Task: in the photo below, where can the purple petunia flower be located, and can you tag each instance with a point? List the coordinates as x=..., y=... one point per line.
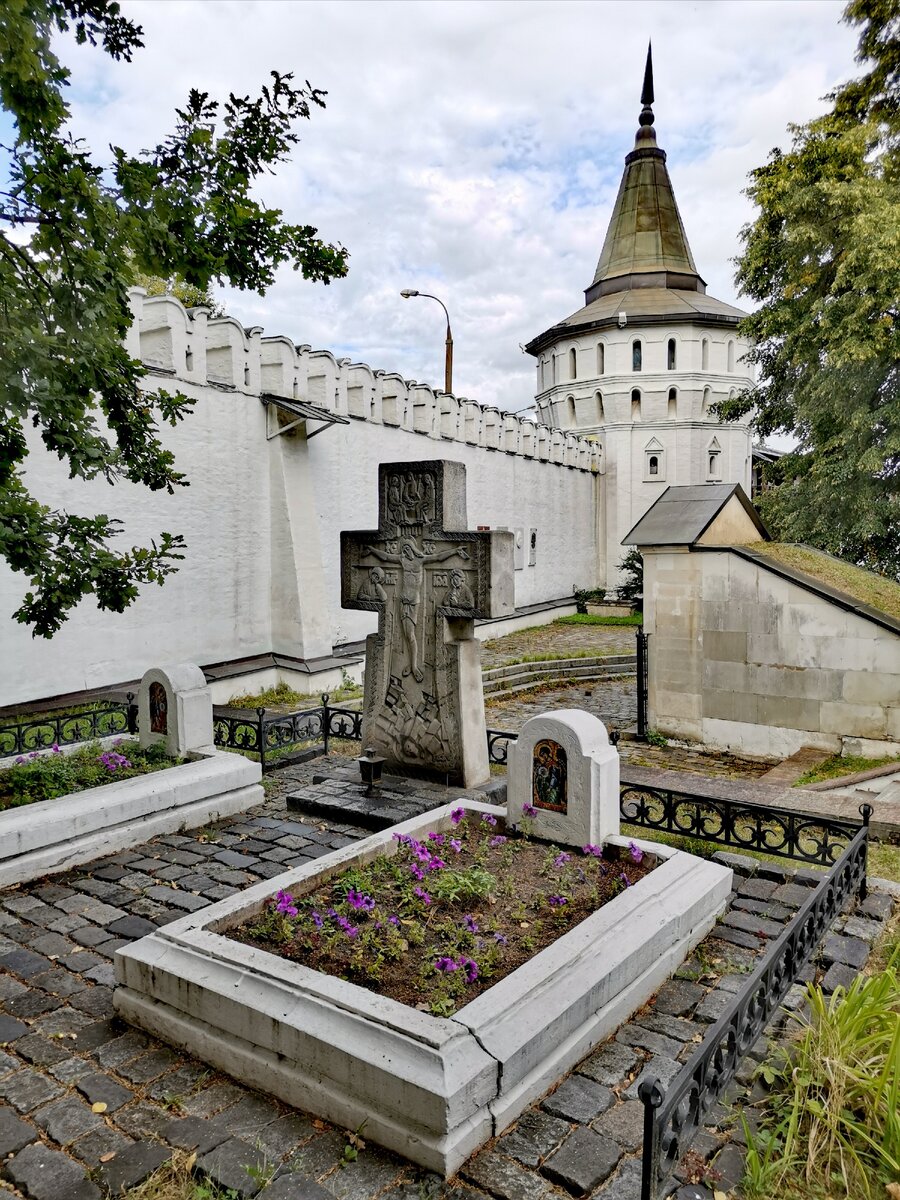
x=497, y=840
x=457, y=815
x=20, y=759
x=456, y=845
x=316, y=920
x=392, y=920
x=528, y=810
x=437, y=837
x=422, y=894
x=416, y=870
x=489, y=819
x=470, y=967
x=557, y=901
x=625, y=879
x=635, y=851
x=590, y=848
x=501, y=939
x=285, y=904
x=470, y=923
x=359, y=900
x=55, y=748
x=561, y=859
x=444, y=964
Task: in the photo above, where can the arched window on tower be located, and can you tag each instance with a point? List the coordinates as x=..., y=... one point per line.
x=599, y=398
x=653, y=465
x=704, y=412
x=704, y=354
x=573, y=364
x=670, y=355
x=730, y=355
x=601, y=358
x=714, y=460
x=570, y=411
x=636, y=355
x=553, y=368
x=672, y=412
x=635, y=404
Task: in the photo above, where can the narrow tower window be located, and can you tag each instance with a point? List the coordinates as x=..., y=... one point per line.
x=189, y=359
x=553, y=368
x=731, y=356
x=570, y=410
x=636, y=355
x=599, y=399
x=573, y=364
x=601, y=358
x=670, y=355
x=636, y=404
x=714, y=464
x=673, y=404
x=653, y=465
x=704, y=355
x=706, y=395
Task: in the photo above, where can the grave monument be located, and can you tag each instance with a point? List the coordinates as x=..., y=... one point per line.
x=428, y=577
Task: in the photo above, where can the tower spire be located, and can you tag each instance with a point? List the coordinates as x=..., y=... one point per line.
x=647, y=90
x=646, y=134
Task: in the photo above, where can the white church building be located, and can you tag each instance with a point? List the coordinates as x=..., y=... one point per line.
x=284, y=442
x=639, y=366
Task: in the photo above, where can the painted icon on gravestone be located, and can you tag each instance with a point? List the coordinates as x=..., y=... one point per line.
x=548, y=776
x=159, y=720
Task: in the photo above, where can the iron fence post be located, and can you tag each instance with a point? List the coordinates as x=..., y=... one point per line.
x=131, y=714
x=326, y=721
x=651, y=1096
x=865, y=811
x=261, y=736
x=641, y=639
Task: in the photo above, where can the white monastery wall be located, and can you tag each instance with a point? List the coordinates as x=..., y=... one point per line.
x=742, y=658
x=262, y=514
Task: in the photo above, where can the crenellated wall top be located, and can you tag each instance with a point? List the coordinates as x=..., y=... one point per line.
x=219, y=352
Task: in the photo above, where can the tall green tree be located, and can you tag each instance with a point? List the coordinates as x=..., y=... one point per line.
x=74, y=234
x=822, y=259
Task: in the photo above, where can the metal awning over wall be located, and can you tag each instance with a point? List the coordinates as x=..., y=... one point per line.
x=300, y=410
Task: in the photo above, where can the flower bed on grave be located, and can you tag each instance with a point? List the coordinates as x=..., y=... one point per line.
x=34, y=777
x=445, y=917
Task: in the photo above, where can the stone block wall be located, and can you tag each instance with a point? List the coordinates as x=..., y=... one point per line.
x=742, y=658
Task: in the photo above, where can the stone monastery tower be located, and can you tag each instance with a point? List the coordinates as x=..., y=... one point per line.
x=639, y=366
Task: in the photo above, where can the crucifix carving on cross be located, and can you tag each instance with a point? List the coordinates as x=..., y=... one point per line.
x=428, y=577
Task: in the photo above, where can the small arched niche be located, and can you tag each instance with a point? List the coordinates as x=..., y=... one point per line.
x=573, y=363
x=671, y=354
x=601, y=358
x=672, y=404
x=654, y=461
x=637, y=355
x=636, y=404
x=704, y=354
x=598, y=398
x=714, y=461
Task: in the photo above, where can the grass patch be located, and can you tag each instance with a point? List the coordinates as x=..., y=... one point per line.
x=883, y=861
x=835, y=767
x=51, y=774
x=592, y=619
x=282, y=696
x=865, y=586
x=175, y=1181
x=551, y=656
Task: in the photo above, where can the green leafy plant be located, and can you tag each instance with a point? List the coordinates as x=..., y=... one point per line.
x=655, y=738
x=51, y=773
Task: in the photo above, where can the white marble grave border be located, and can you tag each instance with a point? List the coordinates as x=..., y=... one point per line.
x=432, y=1089
x=50, y=836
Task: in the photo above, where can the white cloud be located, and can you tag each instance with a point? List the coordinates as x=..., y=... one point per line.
x=473, y=149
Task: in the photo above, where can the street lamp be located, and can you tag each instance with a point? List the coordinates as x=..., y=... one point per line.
x=407, y=294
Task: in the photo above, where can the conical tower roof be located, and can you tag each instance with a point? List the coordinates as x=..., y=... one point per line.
x=645, y=244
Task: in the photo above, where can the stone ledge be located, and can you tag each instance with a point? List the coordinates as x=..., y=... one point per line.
x=85, y=825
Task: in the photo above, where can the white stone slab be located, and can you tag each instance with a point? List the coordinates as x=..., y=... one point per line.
x=54, y=835
x=433, y=1089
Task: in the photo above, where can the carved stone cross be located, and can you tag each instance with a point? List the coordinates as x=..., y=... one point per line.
x=428, y=577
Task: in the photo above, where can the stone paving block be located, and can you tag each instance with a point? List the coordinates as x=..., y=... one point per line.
x=195, y=1133
x=95, y=1001
x=32, y=1004
x=103, y=974
x=624, y=1185
x=659, y=1067
x=505, y=1178
x=11, y=1029
x=131, y=927
x=175, y=1087
x=41, y=1051
x=737, y=937
x=99, y=1033
x=678, y=997
x=71, y=1069
x=862, y=927
x=66, y=922
x=729, y=1162
x=25, y=1089
x=646, y=1039
x=295, y=1187
x=373, y=1171
x=45, y=1174
x=7, y=1062
x=623, y=1123
x=791, y=894
x=102, y=1140
x=81, y=961
x=611, y=1064
x=59, y=982
x=67, y=1119
x=133, y=1166
x=227, y=1165
x=533, y=1137
x=121, y=1050
x=741, y=864
x=10, y=988
x=578, y=1099
x=212, y=1100
x=52, y=944
x=100, y=1089
x=752, y=923
x=140, y=1120
x=849, y=950
x=24, y=963
x=14, y=1133
x=780, y=872
x=280, y=1137
x=63, y=1021
x=765, y=908
x=103, y=914
x=757, y=889
x=148, y=1066
x=838, y=975
x=877, y=904
x=583, y=1161
x=672, y=1027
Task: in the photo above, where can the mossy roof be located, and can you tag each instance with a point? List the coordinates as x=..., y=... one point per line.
x=865, y=587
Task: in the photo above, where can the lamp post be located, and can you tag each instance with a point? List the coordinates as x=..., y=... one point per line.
x=407, y=294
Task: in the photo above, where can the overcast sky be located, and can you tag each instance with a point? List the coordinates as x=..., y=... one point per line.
x=473, y=149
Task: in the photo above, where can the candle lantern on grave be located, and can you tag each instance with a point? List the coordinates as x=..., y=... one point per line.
x=370, y=767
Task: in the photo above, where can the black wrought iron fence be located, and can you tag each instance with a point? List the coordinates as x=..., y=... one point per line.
x=279, y=737
x=103, y=719
x=673, y=1116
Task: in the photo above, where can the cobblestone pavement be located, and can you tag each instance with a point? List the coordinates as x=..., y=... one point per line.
x=562, y=641
x=614, y=701
x=62, y=1050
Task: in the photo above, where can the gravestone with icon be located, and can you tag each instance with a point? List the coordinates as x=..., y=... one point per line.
x=564, y=779
x=175, y=707
x=428, y=576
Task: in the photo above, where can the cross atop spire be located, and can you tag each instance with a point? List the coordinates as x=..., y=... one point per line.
x=647, y=90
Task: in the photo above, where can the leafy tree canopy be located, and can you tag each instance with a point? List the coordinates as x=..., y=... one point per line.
x=74, y=235
x=189, y=295
x=822, y=259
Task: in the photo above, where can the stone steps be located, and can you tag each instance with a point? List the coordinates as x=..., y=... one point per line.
x=519, y=677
